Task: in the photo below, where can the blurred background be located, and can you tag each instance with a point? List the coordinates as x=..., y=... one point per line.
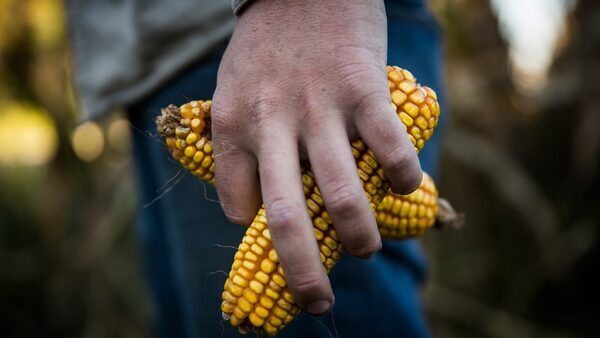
x=520, y=159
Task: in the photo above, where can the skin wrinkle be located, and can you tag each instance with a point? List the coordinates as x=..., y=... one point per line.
x=290, y=68
x=350, y=89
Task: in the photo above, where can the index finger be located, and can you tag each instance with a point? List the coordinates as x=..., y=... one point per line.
x=290, y=225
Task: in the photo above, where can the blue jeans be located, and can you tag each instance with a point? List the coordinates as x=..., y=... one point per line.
x=182, y=233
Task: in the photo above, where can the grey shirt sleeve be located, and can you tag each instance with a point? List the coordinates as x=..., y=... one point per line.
x=239, y=5
x=123, y=50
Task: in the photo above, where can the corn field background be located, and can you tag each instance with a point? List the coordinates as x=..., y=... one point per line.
x=520, y=159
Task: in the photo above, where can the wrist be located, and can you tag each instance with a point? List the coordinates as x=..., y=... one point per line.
x=329, y=17
x=306, y=6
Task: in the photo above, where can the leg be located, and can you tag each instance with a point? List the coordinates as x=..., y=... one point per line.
x=178, y=231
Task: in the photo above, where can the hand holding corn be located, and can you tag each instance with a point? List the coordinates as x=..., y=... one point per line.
x=256, y=296
x=298, y=81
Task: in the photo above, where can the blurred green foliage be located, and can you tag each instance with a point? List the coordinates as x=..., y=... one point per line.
x=522, y=166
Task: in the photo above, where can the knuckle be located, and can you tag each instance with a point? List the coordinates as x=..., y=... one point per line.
x=364, y=248
x=231, y=209
x=262, y=107
x=283, y=215
x=222, y=121
x=307, y=285
x=235, y=216
x=355, y=80
x=228, y=113
x=344, y=201
x=371, y=103
x=355, y=73
x=315, y=120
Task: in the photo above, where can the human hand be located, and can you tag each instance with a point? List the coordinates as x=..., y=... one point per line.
x=302, y=79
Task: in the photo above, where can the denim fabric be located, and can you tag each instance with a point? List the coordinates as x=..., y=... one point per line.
x=179, y=232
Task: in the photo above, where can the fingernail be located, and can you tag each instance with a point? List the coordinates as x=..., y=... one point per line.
x=318, y=307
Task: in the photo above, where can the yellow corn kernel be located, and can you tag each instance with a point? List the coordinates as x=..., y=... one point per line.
x=261, y=311
x=266, y=301
x=267, y=266
x=183, y=128
x=271, y=293
x=256, y=286
x=244, y=305
x=256, y=297
x=256, y=320
x=396, y=213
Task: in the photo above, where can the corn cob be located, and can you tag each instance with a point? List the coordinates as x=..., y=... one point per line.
x=256, y=297
x=186, y=131
x=405, y=216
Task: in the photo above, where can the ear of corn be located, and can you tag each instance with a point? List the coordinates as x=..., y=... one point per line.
x=186, y=131
x=405, y=216
x=255, y=296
